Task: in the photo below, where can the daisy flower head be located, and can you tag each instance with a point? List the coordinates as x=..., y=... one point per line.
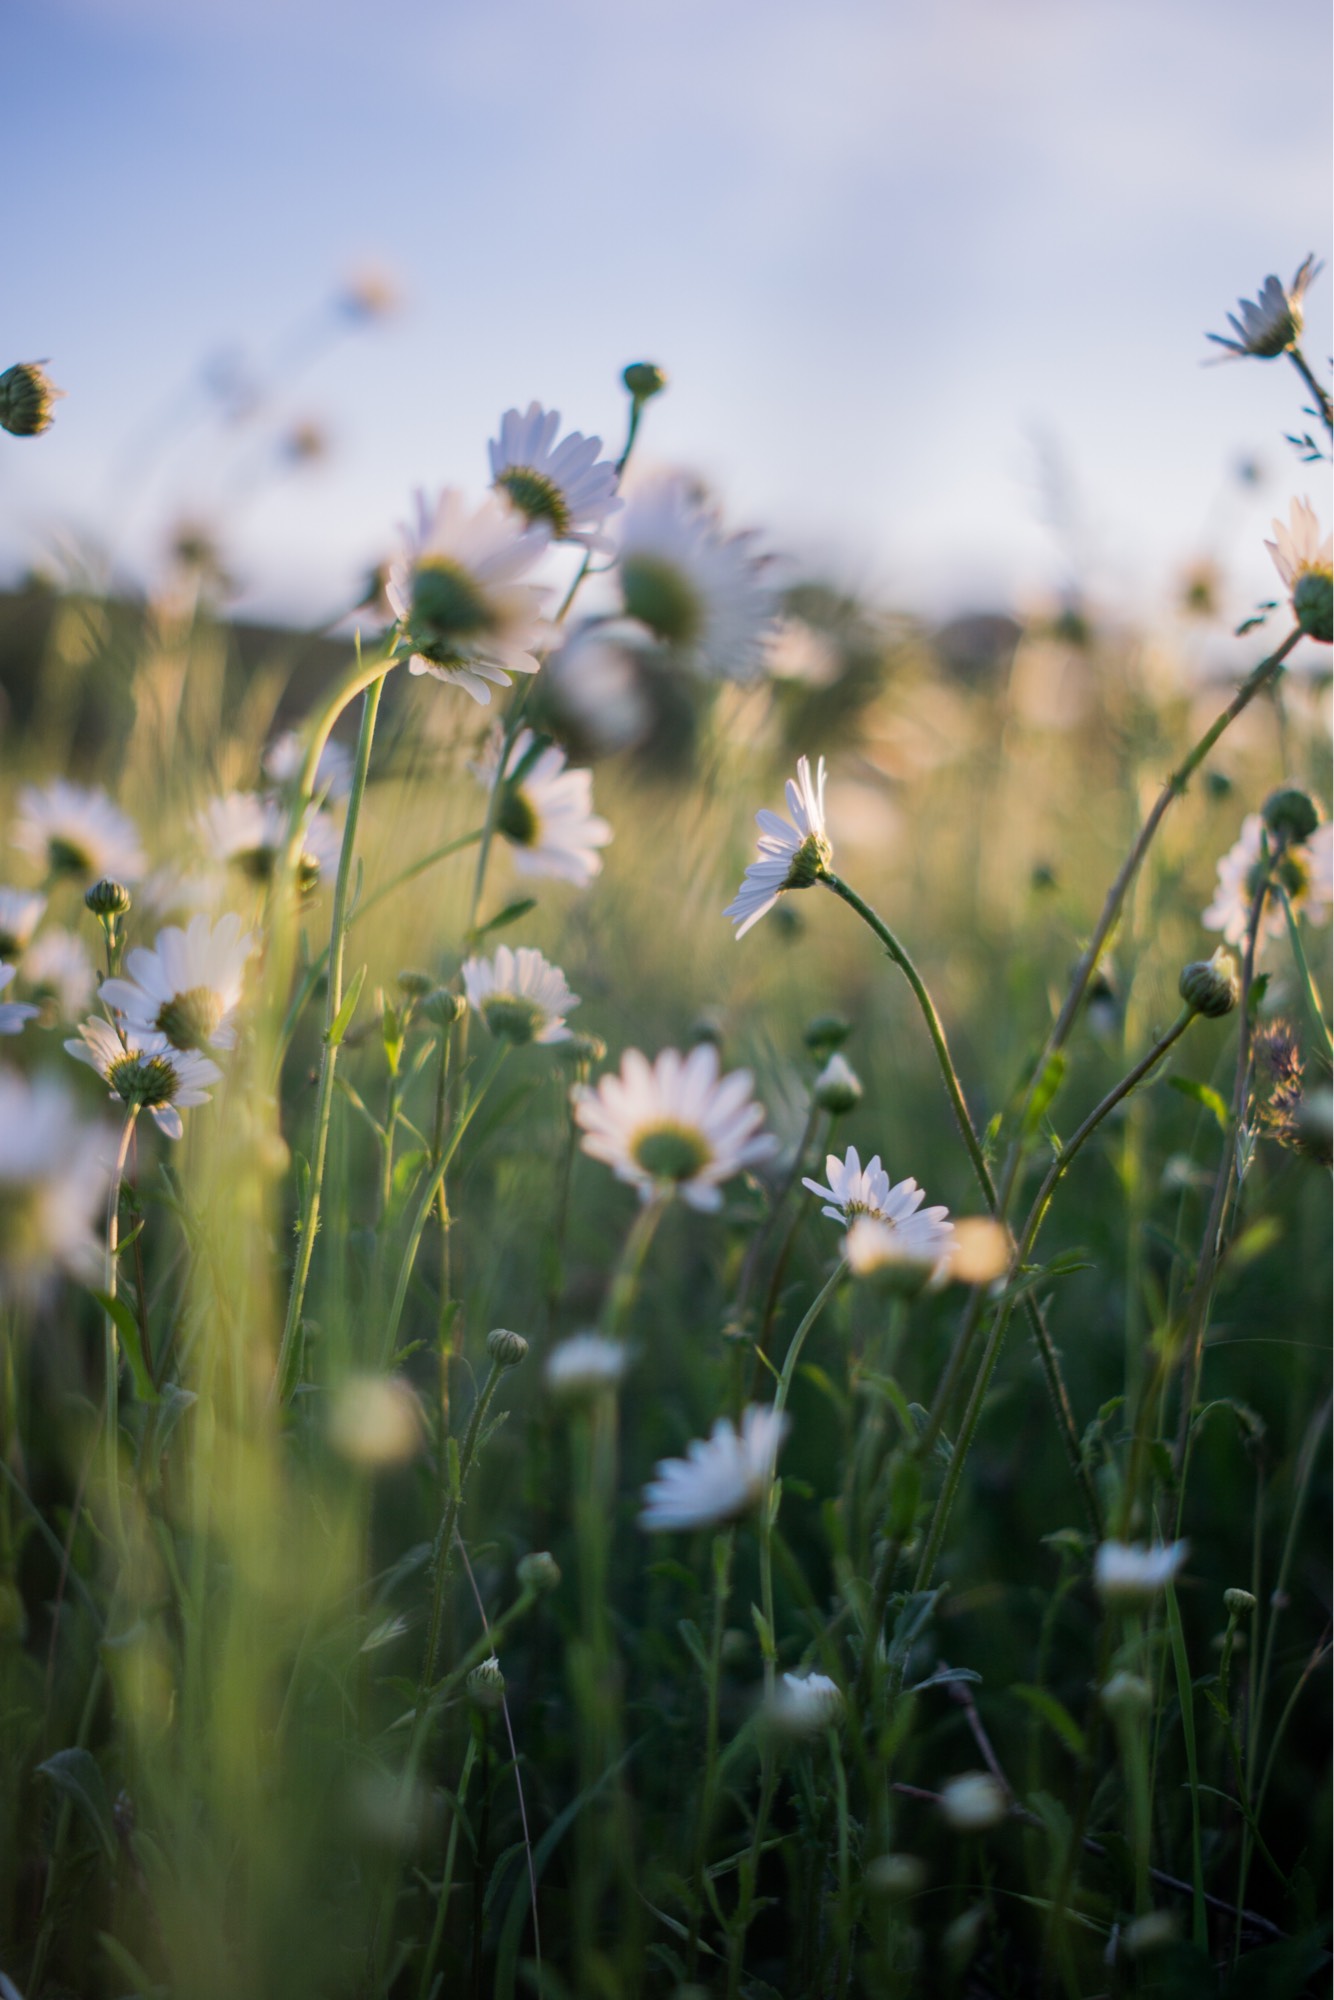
x=700, y=590
x=1306, y=564
x=855, y=1190
x=722, y=1476
x=1272, y=322
x=597, y=679
x=459, y=591
x=248, y=832
x=187, y=987
x=58, y=970
x=20, y=913
x=14, y=1014
x=54, y=1171
x=1304, y=869
x=791, y=854
x=585, y=1365
x=903, y=1255
x=70, y=830
x=674, y=1126
x=805, y=1705
x=1135, y=1573
x=566, y=487
x=146, y=1073
x=519, y=995
x=545, y=811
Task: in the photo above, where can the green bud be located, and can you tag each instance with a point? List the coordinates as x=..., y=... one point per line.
x=539, y=1572
x=26, y=396
x=505, y=1348
x=582, y=1051
x=1239, y=1602
x=895, y=1875
x=1127, y=1697
x=444, y=1008
x=486, y=1684
x=838, y=1088
x=1218, y=784
x=707, y=1028
x=826, y=1033
x=1313, y=602
x=1211, y=986
x=108, y=899
x=1290, y=814
x=416, y=985
x=644, y=379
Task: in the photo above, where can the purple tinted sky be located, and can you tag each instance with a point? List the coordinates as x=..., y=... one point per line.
x=882, y=250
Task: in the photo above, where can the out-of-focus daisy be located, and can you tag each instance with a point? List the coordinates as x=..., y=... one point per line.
x=69, y=830
x=568, y=489
x=545, y=811
x=146, y=1072
x=972, y=1802
x=795, y=651
x=54, y=1172
x=703, y=592
x=791, y=856
x=520, y=995
x=1133, y=1573
x=57, y=968
x=187, y=987
x=721, y=1476
x=597, y=680
x=246, y=831
x=13, y=1013
x=838, y=1088
x=674, y=1126
x=916, y=1249
x=1271, y=323
x=585, y=1364
x=333, y=773
x=805, y=1704
x=459, y=591
x=20, y=913
x=375, y=1421
x=1305, y=868
x=1306, y=564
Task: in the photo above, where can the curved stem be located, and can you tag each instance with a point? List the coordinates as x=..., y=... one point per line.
x=1321, y=394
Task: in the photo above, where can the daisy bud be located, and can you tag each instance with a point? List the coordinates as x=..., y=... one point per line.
x=539, y=1572
x=505, y=1348
x=1126, y=1697
x=895, y=1875
x=26, y=396
x=1238, y=1602
x=644, y=379
x=838, y=1087
x=108, y=899
x=1290, y=814
x=804, y=1705
x=1313, y=602
x=826, y=1033
x=415, y=985
x=972, y=1802
x=444, y=1008
x=582, y=1052
x=1211, y=986
x=486, y=1684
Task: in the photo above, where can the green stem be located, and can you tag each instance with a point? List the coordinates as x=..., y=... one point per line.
x=621, y=1291
x=111, y=1341
x=1304, y=976
x=447, y=1879
x=1321, y=394
x=289, y=1351
x=723, y=1549
x=444, y=1540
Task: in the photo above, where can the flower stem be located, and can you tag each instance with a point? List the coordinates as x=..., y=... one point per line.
x=110, y=1342
x=1321, y=394
x=289, y=1352
x=724, y=1547
x=1305, y=978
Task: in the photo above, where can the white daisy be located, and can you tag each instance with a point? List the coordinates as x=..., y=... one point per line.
x=333, y=773
x=855, y=1190
x=1306, y=565
x=918, y=1248
x=1305, y=869
x=1131, y=1573
x=54, y=1173
x=72, y=831
x=674, y=1126
x=972, y=1802
x=13, y=1013
x=458, y=590
x=57, y=967
x=545, y=811
x=146, y=1071
x=805, y=1704
x=585, y=1364
x=247, y=831
x=700, y=590
x=1271, y=323
x=791, y=856
x=569, y=490
x=188, y=987
x=520, y=995
x=597, y=680
x=721, y=1476
x=20, y=913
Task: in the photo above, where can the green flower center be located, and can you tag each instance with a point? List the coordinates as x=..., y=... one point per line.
x=516, y=818
x=144, y=1080
x=661, y=597
x=448, y=604
x=10, y=944
x=814, y=854
x=255, y=863
x=516, y=1019
x=189, y=1019
x=1292, y=872
x=670, y=1152
x=66, y=857
x=536, y=496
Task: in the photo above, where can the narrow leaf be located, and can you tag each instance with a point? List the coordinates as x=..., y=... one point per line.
x=77, y=1777
x=127, y=1326
x=342, y=1019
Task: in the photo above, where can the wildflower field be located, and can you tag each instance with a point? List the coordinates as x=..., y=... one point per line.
x=596, y=1403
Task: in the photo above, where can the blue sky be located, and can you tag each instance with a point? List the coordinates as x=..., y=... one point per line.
x=890, y=255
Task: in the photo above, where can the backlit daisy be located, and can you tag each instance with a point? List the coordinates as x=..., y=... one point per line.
x=20, y=913
x=791, y=856
x=545, y=811
x=146, y=1072
x=855, y=1190
x=674, y=1126
x=569, y=489
x=188, y=987
x=585, y=1364
x=520, y=995
x=904, y=1254
x=58, y=969
x=14, y=1014
x=54, y=1172
x=703, y=592
x=72, y=831
x=1305, y=869
x=248, y=832
x=1133, y=1573
x=722, y=1476
x=1306, y=565
x=459, y=591
x=1271, y=323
